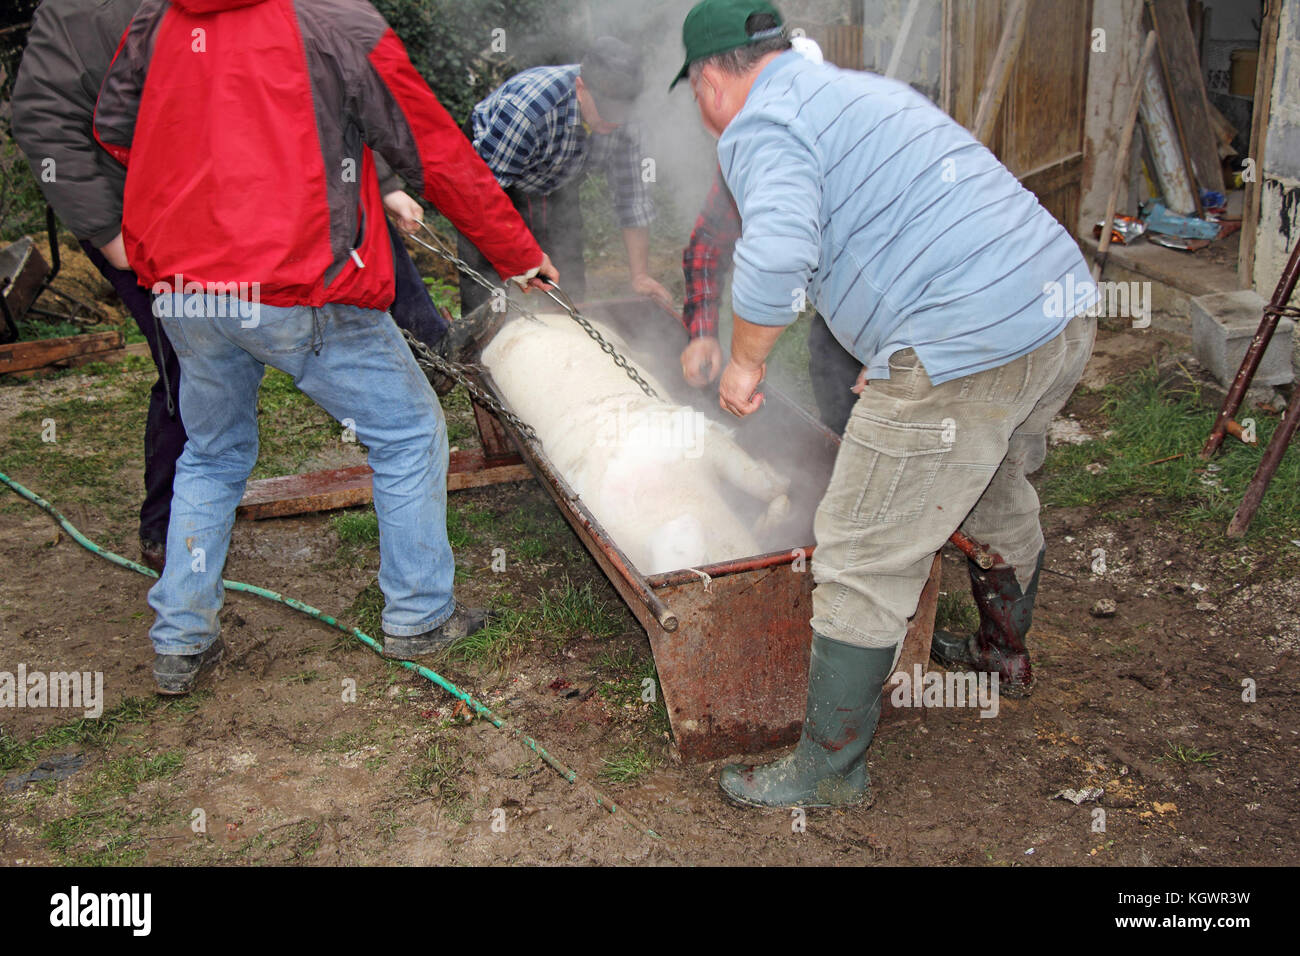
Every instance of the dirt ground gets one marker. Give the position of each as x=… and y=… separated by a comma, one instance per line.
x=270, y=763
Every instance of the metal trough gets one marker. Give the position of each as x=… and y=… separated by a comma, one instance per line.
x=732, y=645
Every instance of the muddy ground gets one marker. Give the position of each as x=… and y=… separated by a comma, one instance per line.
x=270, y=764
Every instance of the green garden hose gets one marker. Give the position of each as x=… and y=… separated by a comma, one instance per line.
x=436, y=678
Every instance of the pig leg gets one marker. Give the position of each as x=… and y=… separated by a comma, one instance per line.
x=731, y=463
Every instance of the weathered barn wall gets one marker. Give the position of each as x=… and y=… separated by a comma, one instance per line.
x=1279, y=209
x=1112, y=74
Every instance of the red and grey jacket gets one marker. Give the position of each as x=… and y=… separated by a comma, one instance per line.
x=246, y=127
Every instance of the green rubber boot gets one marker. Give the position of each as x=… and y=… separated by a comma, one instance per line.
x=828, y=768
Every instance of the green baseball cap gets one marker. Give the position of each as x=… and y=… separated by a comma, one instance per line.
x=716, y=26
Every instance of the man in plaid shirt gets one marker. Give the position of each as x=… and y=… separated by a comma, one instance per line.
x=540, y=133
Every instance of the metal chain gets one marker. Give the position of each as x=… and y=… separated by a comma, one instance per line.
x=605, y=346
x=428, y=360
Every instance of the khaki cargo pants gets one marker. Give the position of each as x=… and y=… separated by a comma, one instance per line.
x=920, y=461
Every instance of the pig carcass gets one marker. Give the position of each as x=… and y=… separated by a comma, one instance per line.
x=668, y=484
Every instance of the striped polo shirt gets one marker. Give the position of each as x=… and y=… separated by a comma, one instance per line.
x=895, y=223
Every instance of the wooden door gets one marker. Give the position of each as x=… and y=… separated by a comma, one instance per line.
x=1039, y=130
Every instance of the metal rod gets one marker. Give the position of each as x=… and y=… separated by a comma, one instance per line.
x=977, y=552
x=1267, y=467
x=1234, y=429
x=1255, y=353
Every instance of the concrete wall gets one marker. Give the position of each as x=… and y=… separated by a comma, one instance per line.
x=816, y=11
x=1111, y=77
x=1279, y=212
x=921, y=61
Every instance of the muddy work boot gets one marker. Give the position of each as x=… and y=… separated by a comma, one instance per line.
x=998, y=647
x=177, y=674
x=153, y=554
x=462, y=623
x=828, y=768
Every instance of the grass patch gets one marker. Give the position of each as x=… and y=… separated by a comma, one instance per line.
x=366, y=611
x=347, y=742
x=360, y=529
x=1150, y=419
x=559, y=614
x=624, y=659
x=627, y=688
x=458, y=412
x=293, y=429
x=81, y=444
x=445, y=295
x=439, y=772
x=97, y=423
x=98, y=731
x=101, y=834
x=536, y=536
x=494, y=646
x=1177, y=753
x=465, y=523
x=299, y=841
x=573, y=610
x=628, y=765
x=956, y=613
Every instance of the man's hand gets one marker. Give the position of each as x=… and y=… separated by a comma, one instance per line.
x=738, y=391
x=701, y=361
x=115, y=253
x=861, y=383
x=643, y=284
x=540, y=278
x=408, y=213
x=751, y=344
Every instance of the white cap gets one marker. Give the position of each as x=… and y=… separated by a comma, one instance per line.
x=807, y=48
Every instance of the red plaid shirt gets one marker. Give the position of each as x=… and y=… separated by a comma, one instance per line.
x=713, y=241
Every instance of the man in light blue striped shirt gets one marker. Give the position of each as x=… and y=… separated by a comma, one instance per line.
x=965, y=302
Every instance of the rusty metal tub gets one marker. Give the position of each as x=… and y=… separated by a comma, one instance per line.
x=730, y=640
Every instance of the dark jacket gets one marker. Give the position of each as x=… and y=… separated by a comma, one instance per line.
x=247, y=127
x=69, y=48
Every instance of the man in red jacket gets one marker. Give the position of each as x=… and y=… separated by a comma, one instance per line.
x=64, y=61
x=252, y=209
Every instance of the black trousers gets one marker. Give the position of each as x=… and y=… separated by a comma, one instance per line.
x=833, y=370
x=555, y=220
x=164, y=433
x=412, y=308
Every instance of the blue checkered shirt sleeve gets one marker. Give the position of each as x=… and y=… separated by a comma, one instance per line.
x=622, y=164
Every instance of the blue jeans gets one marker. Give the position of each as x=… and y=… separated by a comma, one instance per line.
x=353, y=363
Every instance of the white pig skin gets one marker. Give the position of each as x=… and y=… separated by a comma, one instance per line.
x=657, y=476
